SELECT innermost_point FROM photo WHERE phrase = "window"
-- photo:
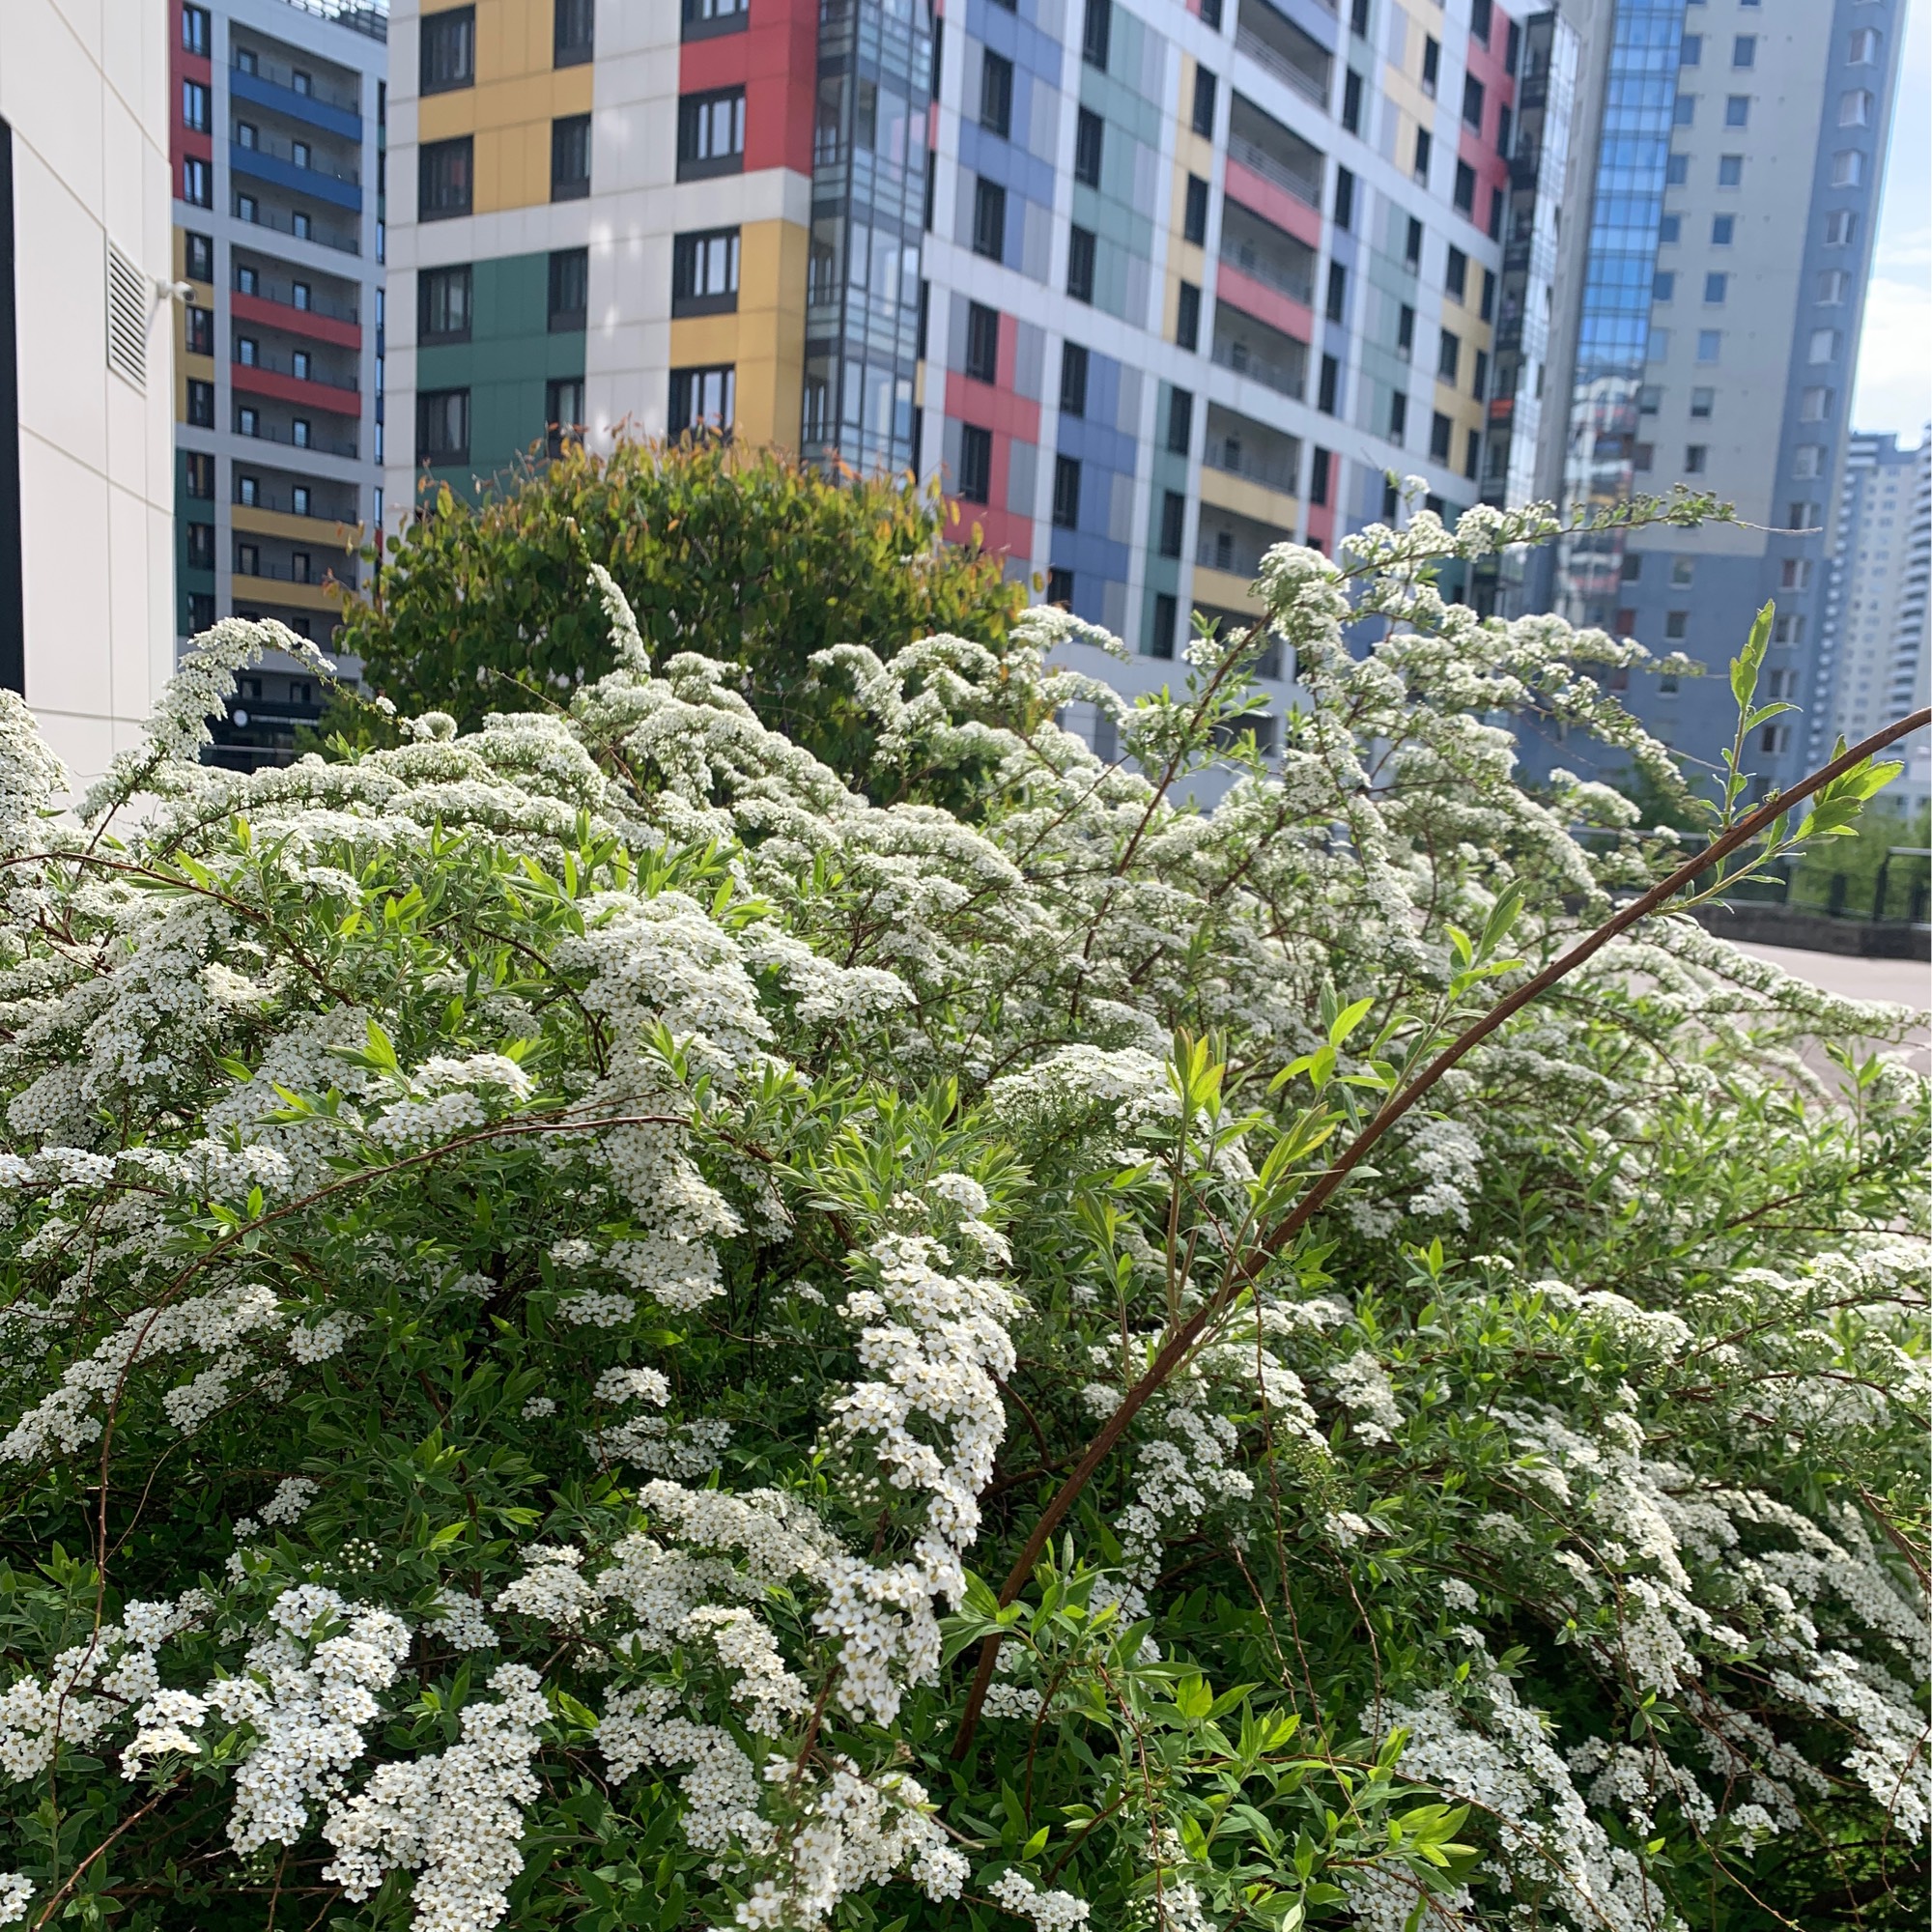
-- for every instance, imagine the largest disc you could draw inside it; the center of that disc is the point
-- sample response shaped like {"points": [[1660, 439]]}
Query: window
{"points": [[1848, 168], [245, 61], [443, 304], [199, 328], [1643, 459], [1059, 586], [1404, 330], [247, 559], [1398, 419], [1166, 622], [301, 567], [197, 183], [1676, 625], [1466, 184], [443, 426], [1073, 379], [1629, 571], [1730, 170], [1744, 50], [446, 175], [1815, 405], [1841, 225], [1338, 291], [1495, 221], [1809, 459], [1351, 101], [1724, 230], [1796, 574], [1203, 101], [1449, 357], [301, 433], [1411, 253], [1194, 214], [194, 106], [1684, 111], [196, 36], [574, 38], [989, 219], [1862, 49], [1823, 346], [1087, 135], [1066, 492], [1472, 100], [1683, 571], [569, 299], [1473, 454], [1432, 62], [1180, 421], [1663, 285], [703, 19], [1328, 386], [1318, 476], [300, 366], [248, 418], [198, 546], [1425, 149], [198, 475], [1703, 402], [703, 402], [247, 351], [1479, 385], [1691, 50], [1708, 342], [563, 412], [1696, 456], [1670, 229], [1172, 521], [1649, 400], [711, 135], [298, 227], [1080, 263], [449, 45], [299, 82], [570, 157], [975, 463], [1345, 199], [298, 499], [1788, 628], [1187, 317], [1716, 288], [1097, 31], [1737, 110], [1455, 275], [200, 612], [1676, 170], [198, 257], [1440, 430], [1210, 16], [983, 343], [1832, 285], [1479, 20], [996, 94], [704, 272]]}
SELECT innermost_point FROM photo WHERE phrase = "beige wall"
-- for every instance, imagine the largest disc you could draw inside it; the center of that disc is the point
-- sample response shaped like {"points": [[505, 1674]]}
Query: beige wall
{"points": [[84, 85]]}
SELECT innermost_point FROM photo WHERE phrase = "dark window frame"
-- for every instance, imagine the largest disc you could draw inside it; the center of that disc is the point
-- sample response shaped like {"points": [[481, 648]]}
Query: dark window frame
{"points": [[441, 454], [1194, 211], [1066, 492], [976, 464], [446, 51], [692, 250], [989, 219], [569, 140], [574, 33], [1075, 370], [1187, 317], [1082, 255], [996, 94], [1090, 138], [692, 112], [446, 179], [981, 360], [432, 282], [569, 274]]}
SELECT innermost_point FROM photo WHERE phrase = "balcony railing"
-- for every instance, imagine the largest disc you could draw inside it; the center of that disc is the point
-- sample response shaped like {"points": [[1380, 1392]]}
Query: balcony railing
{"points": [[1243, 361], [1237, 558], [344, 192], [271, 365], [284, 506], [1251, 155], [328, 445], [1278, 64], [1298, 285], [1249, 467], [277, 97], [281, 221]]}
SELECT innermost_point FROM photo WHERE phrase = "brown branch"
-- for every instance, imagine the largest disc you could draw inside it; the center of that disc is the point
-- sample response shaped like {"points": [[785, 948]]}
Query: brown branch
{"points": [[1181, 1342]]}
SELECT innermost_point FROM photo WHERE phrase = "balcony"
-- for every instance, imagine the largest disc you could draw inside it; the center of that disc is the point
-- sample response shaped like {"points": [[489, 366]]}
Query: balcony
{"points": [[317, 183], [1251, 348], [1268, 254], [1236, 445], [284, 435], [264, 378], [1274, 42], [260, 91], [1275, 151], [314, 322]]}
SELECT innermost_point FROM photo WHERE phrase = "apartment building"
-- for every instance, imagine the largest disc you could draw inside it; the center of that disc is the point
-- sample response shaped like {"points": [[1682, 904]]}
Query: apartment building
{"points": [[86, 632], [1148, 286], [1718, 286], [276, 148], [1874, 661]]}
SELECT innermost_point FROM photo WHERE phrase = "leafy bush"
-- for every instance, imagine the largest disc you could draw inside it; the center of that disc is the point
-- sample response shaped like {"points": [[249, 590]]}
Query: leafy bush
{"points": [[745, 554], [560, 1278]]}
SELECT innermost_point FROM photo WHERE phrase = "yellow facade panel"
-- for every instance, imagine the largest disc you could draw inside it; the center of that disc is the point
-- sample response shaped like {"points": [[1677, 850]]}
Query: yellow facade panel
{"points": [[251, 590], [1249, 499], [324, 535], [1226, 591], [764, 341]]}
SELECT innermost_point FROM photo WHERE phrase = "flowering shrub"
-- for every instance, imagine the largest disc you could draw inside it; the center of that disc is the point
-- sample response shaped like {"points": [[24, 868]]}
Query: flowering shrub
{"points": [[554, 1273]]}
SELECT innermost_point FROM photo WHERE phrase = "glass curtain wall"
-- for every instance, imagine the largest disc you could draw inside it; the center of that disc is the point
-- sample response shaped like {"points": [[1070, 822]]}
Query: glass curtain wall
{"points": [[868, 191], [1626, 213]]}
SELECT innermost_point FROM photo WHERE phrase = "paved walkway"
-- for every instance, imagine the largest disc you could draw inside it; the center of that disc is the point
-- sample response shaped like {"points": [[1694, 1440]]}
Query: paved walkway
{"points": [[1907, 982]]}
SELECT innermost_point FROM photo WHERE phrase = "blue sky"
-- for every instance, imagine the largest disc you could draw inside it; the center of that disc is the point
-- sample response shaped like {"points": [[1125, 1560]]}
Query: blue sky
{"points": [[1894, 380]]}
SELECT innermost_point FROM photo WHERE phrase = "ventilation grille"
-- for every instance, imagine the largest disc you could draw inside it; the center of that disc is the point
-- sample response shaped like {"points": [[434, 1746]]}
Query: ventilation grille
{"points": [[126, 319]]}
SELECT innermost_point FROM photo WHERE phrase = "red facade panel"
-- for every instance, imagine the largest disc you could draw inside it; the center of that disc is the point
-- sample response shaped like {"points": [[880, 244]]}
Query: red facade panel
{"points": [[1274, 204], [775, 60], [296, 321]]}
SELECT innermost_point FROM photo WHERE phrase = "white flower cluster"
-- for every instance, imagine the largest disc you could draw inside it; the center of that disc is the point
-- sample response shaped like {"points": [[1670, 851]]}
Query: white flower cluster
{"points": [[1050, 1911]]}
